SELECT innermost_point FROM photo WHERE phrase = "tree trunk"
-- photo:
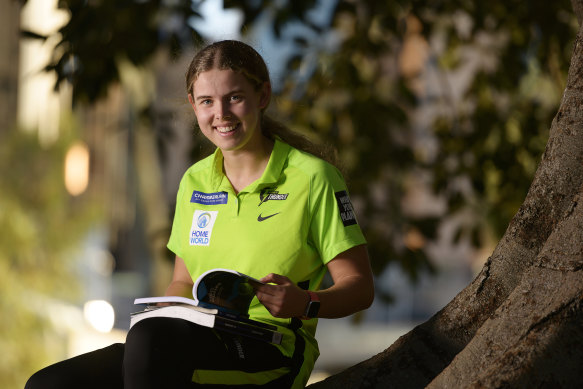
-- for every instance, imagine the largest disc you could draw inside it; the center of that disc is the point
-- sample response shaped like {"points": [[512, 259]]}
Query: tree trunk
{"points": [[520, 322]]}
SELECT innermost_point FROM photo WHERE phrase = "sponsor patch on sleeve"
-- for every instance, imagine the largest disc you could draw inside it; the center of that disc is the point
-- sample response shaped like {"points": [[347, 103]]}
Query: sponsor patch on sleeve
{"points": [[209, 198], [345, 208]]}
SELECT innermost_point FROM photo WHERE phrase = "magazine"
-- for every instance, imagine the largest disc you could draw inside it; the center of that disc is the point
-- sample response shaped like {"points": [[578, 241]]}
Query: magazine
{"points": [[221, 300]]}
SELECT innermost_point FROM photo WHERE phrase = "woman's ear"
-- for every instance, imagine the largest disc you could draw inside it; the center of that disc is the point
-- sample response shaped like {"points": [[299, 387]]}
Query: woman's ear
{"points": [[265, 95], [191, 101]]}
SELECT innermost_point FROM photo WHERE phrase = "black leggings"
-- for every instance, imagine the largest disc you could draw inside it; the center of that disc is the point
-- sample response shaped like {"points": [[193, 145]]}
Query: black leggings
{"points": [[159, 353]]}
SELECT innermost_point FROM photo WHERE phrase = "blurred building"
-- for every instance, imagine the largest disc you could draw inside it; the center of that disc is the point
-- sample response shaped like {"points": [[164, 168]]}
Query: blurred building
{"points": [[32, 104], [9, 50]]}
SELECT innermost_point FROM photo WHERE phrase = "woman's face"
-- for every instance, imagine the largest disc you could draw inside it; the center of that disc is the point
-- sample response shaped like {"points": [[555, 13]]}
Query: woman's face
{"points": [[228, 109]]}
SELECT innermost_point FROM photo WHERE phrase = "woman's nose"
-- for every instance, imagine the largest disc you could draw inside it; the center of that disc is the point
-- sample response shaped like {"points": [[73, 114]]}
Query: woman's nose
{"points": [[222, 112]]}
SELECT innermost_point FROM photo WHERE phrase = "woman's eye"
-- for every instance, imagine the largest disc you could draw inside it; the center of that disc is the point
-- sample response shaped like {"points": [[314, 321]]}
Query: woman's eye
{"points": [[236, 98]]}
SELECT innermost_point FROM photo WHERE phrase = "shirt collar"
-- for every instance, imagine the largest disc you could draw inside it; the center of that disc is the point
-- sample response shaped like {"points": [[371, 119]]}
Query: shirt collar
{"points": [[269, 177]]}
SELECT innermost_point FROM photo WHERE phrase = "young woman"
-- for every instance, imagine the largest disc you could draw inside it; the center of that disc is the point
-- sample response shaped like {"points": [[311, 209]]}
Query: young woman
{"points": [[273, 210]]}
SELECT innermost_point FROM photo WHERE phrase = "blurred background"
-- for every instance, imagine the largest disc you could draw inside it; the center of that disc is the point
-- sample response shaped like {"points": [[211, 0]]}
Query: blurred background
{"points": [[439, 111]]}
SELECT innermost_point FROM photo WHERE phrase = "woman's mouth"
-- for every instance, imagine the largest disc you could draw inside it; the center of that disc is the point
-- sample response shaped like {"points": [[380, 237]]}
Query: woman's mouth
{"points": [[226, 129]]}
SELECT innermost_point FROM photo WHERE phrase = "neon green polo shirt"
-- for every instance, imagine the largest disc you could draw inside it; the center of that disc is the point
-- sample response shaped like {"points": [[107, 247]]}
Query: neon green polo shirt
{"points": [[292, 221]]}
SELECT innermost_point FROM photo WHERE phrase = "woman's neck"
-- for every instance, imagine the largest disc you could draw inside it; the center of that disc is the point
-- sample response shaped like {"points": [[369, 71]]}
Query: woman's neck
{"points": [[243, 167]]}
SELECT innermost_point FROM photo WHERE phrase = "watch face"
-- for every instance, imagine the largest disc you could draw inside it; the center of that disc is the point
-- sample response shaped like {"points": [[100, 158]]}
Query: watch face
{"points": [[313, 308]]}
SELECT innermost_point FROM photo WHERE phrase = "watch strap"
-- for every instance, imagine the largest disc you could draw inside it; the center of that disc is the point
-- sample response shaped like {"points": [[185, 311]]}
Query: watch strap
{"points": [[314, 301]]}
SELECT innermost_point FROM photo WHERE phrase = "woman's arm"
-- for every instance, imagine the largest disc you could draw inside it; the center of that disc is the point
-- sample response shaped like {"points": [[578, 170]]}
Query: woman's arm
{"points": [[353, 289], [181, 284]]}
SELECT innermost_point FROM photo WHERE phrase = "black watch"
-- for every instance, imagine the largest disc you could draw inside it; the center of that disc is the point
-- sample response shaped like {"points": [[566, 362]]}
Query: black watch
{"points": [[313, 306]]}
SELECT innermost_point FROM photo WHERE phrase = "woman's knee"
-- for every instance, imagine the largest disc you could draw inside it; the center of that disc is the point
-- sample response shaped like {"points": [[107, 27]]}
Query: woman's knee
{"points": [[157, 354], [38, 381], [99, 368], [158, 332], [153, 341], [53, 376]]}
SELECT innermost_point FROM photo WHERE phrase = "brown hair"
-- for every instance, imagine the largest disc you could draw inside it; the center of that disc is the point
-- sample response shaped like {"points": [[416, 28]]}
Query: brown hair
{"points": [[240, 57]]}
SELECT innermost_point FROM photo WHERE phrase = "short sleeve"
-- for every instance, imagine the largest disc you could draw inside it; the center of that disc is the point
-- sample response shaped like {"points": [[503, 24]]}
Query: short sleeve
{"points": [[178, 228], [333, 225]]}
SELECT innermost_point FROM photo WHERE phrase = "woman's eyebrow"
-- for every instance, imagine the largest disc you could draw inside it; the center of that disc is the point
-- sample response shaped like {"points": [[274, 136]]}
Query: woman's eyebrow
{"points": [[233, 92], [197, 98]]}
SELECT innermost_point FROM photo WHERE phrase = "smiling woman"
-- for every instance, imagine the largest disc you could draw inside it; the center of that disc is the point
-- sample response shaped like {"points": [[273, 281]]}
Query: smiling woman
{"points": [[262, 204]]}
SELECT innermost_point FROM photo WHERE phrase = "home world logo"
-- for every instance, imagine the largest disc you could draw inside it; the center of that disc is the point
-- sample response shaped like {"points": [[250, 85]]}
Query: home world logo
{"points": [[202, 227], [203, 220]]}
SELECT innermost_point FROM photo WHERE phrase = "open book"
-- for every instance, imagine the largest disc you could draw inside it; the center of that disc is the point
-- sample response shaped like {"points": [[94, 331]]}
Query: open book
{"points": [[221, 300]]}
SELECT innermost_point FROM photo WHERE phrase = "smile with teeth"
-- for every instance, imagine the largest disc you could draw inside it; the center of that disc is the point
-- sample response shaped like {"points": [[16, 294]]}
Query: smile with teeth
{"points": [[225, 129]]}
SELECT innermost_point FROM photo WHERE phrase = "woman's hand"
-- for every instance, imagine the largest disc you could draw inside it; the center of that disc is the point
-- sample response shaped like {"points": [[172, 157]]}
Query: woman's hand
{"points": [[353, 289], [284, 299]]}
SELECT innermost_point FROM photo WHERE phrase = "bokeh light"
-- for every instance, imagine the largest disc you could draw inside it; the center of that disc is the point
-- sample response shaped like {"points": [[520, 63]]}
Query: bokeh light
{"points": [[100, 314]]}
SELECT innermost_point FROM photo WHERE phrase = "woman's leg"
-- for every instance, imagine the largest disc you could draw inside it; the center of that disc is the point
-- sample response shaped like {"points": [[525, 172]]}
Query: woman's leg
{"points": [[165, 352], [160, 353], [94, 370]]}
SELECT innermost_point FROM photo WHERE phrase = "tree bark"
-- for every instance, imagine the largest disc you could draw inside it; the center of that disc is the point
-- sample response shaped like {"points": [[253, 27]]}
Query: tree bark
{"points": [[519, 323], [535, 338]]}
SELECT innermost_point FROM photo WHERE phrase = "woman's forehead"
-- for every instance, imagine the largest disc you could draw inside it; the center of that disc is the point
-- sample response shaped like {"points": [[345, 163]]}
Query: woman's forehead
{"points": [[216, 80]]}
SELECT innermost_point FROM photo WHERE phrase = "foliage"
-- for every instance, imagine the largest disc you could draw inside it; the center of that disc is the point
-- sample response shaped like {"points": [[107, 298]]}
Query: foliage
{"points": [[485, 136], [509, 108], [100, 35], [40, 225]]}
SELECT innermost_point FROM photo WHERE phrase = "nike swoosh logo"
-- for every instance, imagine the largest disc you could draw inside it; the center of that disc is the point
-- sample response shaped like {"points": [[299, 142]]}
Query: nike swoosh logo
{"points": [[261, 218]]}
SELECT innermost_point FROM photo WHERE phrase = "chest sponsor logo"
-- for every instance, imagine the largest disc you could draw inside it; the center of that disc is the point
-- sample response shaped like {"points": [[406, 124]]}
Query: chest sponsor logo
{"points": [[202, 227], [345, 208], [209, 198], [270, 194]]}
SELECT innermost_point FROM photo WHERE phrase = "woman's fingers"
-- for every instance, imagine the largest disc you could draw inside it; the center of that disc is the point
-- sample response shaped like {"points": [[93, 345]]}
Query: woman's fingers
{"points": [[275, 279], [281, 297]]}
